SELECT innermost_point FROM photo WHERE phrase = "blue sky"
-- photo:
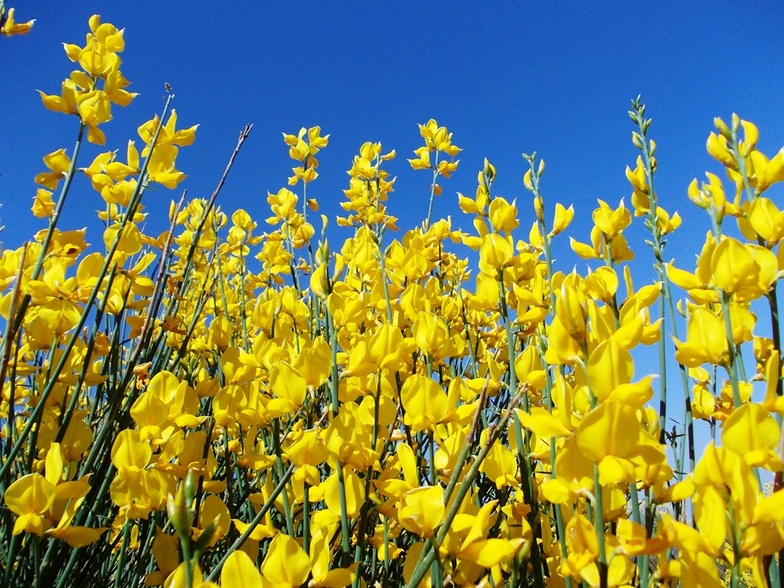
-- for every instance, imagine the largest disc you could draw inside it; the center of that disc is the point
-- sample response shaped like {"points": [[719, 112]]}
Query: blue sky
{"points": [[505, 78]]}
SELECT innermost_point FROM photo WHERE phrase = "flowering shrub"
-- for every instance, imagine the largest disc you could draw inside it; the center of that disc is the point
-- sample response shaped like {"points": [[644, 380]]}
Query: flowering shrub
{"points": [[383, 413]]}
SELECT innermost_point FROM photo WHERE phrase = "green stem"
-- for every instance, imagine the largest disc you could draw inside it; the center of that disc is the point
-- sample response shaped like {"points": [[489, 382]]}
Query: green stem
{"points": [[432, 193], [279, 465], [598, 516], [733, 352], [119, 575]]}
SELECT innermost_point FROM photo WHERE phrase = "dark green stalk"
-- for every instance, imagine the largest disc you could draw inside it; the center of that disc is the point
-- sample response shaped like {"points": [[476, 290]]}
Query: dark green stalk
{"points": [[281, 472], [119, 576]]}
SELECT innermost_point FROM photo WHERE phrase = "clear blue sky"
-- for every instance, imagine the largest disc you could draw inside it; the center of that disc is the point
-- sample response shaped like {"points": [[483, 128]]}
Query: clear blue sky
{"points": [[505, 78]]}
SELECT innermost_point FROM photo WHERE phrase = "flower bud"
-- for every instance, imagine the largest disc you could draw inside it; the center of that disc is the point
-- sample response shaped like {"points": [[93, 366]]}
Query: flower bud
{"points": [[735, 123], [191, 486], [489, 171], [750, 137], [203, 542], [179, 513], [527, 181], [722, 127]]}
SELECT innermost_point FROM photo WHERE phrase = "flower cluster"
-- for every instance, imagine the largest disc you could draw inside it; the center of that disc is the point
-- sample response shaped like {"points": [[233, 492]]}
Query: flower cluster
{"points": [[89, 92]]}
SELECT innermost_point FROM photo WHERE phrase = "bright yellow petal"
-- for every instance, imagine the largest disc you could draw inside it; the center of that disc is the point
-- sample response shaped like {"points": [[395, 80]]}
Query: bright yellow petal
{"points": [[240, 571], [611, 428], [286, 564], [421, 510]]}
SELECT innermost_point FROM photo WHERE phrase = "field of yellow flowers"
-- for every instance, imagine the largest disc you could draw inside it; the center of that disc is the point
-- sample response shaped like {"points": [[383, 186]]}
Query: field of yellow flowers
{"points": [[223, 405]]}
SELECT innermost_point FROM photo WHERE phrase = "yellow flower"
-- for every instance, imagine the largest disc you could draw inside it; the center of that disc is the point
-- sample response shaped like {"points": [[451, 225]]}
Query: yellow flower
{"points": [[58, 163], [321, 559], [609, 430], [432, 335], [706, 341], [718, 147], [763, 219], [349, 440], [582, 544], [29, 498], [290, 388], [752, 433], [495, 253], [500, 464], [607, 239], [9, 26], [305, 151], [421, 510], [43, 205], [94, 109], [765, 172], [467, 539], [169, 135], [503, 215], [609, 366], [734, 266], [66, 103], [135, 488], [424, 401]]}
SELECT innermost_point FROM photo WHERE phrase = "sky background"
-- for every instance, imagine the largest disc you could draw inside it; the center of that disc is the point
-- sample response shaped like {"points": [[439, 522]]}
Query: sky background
{"points": [[505, 78]]}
